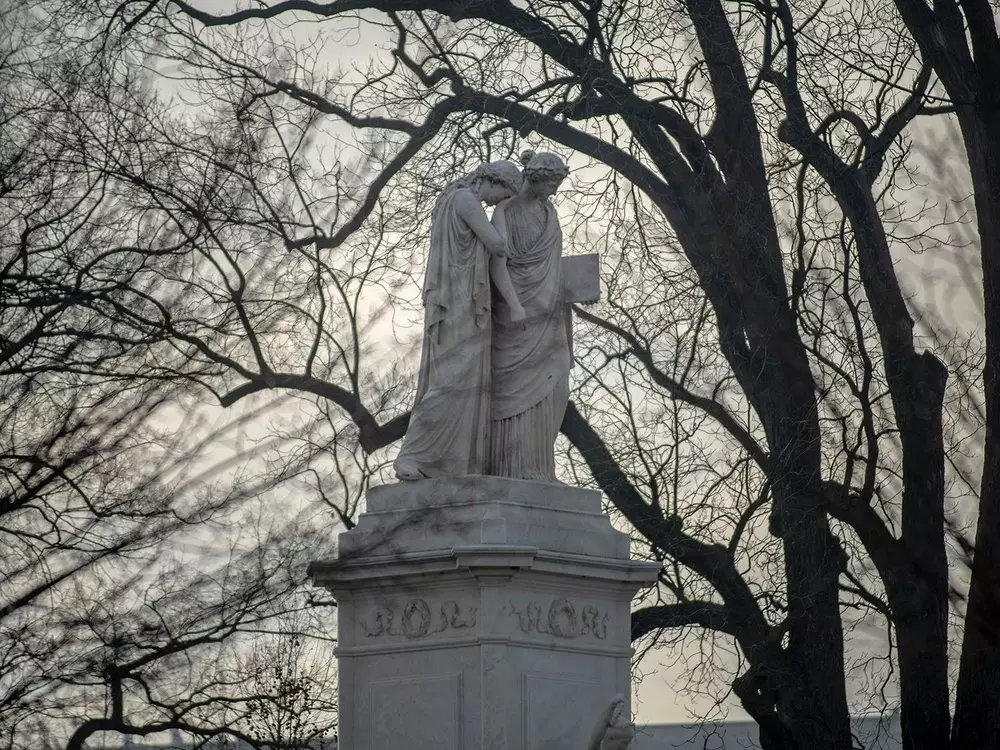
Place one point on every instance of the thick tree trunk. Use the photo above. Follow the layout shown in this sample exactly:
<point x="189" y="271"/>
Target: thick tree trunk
<point x="918" y="591"/>
<point x="959" y="39"/>
<point x="758" y="700"/>
<point x="920" y="605"/>
<point x="816" y="703"/>
<point x="915" y="571"/>
<point x="978" y="695"/>
<point x="921" y="628"/>
<point x="732" y="241"/>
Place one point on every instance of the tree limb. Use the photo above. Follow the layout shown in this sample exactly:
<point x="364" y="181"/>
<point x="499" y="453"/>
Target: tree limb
<point x="681" y="614"/>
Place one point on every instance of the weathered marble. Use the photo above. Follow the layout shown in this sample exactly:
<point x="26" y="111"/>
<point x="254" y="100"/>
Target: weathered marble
<point x="530" y="358"/>
<point x="448" y="430"/>
<point x="581" y="278"/>
<point x="481" y="613"/>
<point x="493" y="382"/>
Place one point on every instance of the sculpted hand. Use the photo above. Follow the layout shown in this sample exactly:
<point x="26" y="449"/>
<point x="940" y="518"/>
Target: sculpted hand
<point x="517" y="312"/>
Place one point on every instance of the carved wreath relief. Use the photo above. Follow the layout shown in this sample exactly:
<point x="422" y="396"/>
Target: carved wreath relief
<point x="561" y="620"/>
<point x="416" y="620"/>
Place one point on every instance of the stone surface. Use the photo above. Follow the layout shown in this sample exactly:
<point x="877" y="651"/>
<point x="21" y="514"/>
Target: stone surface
<point x="447" y="435"/>
<point x="581" y="278"/>
<point x="530" y="360"/>
<point x="438" y="514"/>
<point x="480" y="613"/>
<point x="493" y="383"/>
<point x="612" y="731"/>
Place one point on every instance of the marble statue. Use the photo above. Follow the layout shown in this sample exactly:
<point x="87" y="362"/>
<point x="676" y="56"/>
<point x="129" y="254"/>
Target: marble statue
<point x="448" y="432"/>
<point x="531" y="355"/>
<point x="611" y="732"/>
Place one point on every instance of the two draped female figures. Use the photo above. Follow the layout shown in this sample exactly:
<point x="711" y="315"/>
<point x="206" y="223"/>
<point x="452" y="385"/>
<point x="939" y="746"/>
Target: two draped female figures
<point x="493" y="382"/>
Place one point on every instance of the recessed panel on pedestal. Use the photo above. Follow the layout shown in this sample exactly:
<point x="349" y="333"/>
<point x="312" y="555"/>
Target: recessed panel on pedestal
<point x="552" y="707"/>
<point x="416" y="713"/>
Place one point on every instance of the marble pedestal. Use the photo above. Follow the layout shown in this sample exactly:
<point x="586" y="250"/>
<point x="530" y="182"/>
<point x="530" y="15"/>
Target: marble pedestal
<point x="480" y="613"/>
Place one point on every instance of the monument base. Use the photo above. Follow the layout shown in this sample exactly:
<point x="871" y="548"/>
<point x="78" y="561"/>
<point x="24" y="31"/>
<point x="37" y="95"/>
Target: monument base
<point x="480" y="613"/>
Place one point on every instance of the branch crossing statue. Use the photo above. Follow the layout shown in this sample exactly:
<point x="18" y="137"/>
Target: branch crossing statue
<point x="493" y="383"/>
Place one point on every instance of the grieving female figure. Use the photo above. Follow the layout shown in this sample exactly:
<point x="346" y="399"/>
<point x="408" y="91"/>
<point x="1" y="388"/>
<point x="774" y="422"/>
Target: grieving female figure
<point x="448" y="430"/>
<point x="531" y="357"/>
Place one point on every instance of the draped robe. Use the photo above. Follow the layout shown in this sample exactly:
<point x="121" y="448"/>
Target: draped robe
<point x="530" y="358"/>
<point x="447" y="433"/>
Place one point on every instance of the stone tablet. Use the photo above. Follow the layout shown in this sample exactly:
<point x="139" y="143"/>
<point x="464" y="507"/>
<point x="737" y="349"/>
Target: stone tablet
<point x="581" y="278"/>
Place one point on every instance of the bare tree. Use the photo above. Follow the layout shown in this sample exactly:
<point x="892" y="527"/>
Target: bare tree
<point x="290" y="687"/>
<point x="959" y="41"/>
<point x="754" y="397"/>
<point x="135" y="543"/>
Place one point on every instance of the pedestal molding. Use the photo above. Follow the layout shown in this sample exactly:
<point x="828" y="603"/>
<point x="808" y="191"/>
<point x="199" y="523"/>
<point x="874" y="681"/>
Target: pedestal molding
<point x="505" y="626"/>
<point x="484" y="557"/>
<point x="399" y="648"/>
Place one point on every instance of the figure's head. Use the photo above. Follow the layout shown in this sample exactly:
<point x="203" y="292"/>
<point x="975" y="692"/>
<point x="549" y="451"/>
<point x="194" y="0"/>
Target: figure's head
<point x="543" y="173"/>
<point x="496" y="181"/>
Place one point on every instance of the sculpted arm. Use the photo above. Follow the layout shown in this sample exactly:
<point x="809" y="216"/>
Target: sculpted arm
<point x="499" y="272"/>
<point x="495" y="241"/>
<point x="472" y="213"/>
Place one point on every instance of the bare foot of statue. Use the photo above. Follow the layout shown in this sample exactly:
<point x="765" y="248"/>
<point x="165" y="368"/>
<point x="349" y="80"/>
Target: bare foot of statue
<point x="407" y="471"/>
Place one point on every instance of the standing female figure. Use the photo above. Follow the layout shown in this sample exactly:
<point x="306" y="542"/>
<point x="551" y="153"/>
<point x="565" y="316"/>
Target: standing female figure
<point x="531" y="357"/>
<point x="448" y="429"/>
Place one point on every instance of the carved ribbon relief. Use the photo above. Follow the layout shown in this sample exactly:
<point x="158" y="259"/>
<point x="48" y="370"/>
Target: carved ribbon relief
<point x="416" y="619"/>
<point x="561" y="620"/>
